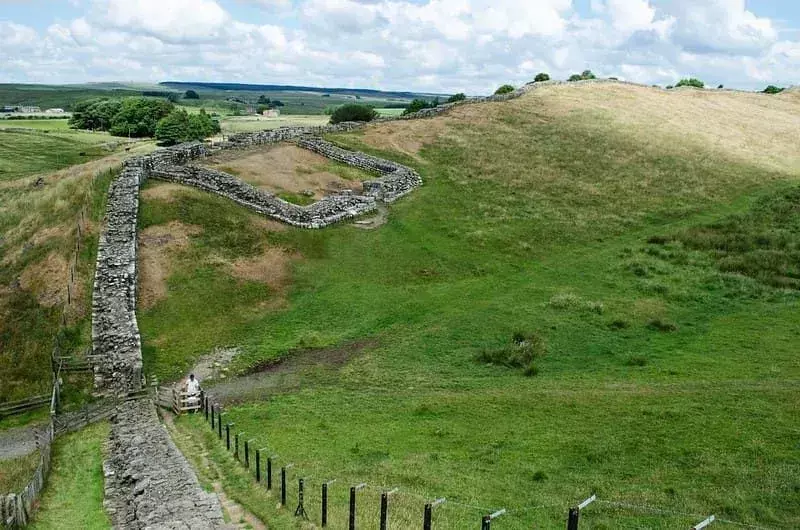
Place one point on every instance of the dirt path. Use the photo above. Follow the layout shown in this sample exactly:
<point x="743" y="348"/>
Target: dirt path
<point x="375" y="221"/>
<point x="287" y="374"/>
<point x="17" y="442"/>
<point x="239" y="516"/>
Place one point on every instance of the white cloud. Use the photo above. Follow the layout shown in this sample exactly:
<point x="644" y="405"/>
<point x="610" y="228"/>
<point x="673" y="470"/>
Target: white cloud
<point x="168" y="20"/>
<point x="438" y="45"/>
<point x="720" y="26"/>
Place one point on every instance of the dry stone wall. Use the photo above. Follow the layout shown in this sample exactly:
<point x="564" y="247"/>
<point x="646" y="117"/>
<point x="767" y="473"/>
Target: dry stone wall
<point x="322" y="213"/>
<point x="396" y="179"/>
<point x="149" y="484"/>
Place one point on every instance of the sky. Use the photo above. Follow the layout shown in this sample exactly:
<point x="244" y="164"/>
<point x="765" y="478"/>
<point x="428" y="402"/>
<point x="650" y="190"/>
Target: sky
<point x="442" y="46"/>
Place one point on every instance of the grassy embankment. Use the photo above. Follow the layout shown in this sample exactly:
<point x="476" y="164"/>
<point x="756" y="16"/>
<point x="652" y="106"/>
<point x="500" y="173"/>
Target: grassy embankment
<point x="649" y="239"/>
<point x="73" y="496"/>
<point x="44" y="183"/>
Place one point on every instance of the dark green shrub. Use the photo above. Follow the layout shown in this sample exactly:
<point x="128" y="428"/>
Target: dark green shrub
<point x="138" y="117"/>
<point x="523" y="351"/>
<point x="191" y="94"/>
<point x="457" y="97"/>
<point x="574" y="77"/>
<point x="772" y="89"/>
<point x="618" y="324"/>
<point x="720" y="87"/>
<point x="636" y="360"/>
<point x="587" y="74"/>
<point x="353" y="112"/>
<point x="541" y="77"/>
<point x="420" y="104"/>
<point x="179" y="126"/>
<point x="692" y="82"/>
<point x="670" y="87"/>
<point x="539" y="476"/>
<point x="505" y="89"/>
<point x="664" y="326"/>
<point x="531" y="370"/>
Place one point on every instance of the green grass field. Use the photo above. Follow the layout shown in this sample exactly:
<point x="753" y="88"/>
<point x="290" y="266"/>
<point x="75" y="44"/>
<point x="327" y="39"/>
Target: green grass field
<point x="659" y="271"/>
<point x="41" y="125"/>
<point x="17" y="472"/>
<point x="390" y="112"/>
<point x="238" y="124"/>
<point x="73" y="496"/>
<point x="25" y="153"/>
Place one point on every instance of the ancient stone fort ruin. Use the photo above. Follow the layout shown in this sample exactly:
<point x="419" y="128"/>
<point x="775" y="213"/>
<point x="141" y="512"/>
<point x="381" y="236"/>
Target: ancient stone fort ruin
<point x="149" y="484"/>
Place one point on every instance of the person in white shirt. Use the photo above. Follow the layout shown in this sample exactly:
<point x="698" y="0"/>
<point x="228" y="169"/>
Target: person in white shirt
<point x="192" y="386"/>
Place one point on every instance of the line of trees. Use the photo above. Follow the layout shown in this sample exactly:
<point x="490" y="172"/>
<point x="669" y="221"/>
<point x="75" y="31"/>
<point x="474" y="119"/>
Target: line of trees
<point x="142" y="118"/>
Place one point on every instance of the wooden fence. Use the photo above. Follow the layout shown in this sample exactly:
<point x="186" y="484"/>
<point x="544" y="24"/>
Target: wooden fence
<point x="16" y="510"/>
<point x="178" y="401"/>
<point x="18" y="407"/>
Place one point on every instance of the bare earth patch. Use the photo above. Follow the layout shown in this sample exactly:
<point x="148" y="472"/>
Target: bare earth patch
<point x="157" y="248"/>
<point x="408" y="137"/>
<point x="162" y="191"/>
<point x="282" y="168"/>
<point x="289" y="373"/>
<point x="272" y="268"/>
<point x="47" y="280"/>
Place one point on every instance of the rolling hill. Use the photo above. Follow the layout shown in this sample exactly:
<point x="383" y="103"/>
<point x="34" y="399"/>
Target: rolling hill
<point x="645" y="241"/>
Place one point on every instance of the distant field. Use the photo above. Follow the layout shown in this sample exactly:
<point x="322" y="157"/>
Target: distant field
<point x="44" y="125"/>
<point x="237" y="124"/>
<point x="390" y="112"/>
<point x="24" y="153"/>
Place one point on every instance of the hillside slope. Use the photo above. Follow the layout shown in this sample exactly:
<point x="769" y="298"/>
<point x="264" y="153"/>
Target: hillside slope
<point x="644" y="242"/>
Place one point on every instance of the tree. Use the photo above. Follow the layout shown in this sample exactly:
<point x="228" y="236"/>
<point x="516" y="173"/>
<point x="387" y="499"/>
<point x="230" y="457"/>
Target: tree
<point x="178" y="126"/>
<point x="263" y="100"/>
<point x="276" y="103"/>
<point x="417" y="105"/>
<point x="353" y="112"/>
<point x="191" y="94"/>
<point x="772" y="89"/>
<point x="583" y="76"/>
<point x="504" y="89"/>
<point x="541" y="77"/>
<point x="138" y="117"/>
<point x="457" y="97"/>
<point x="720" y="87"/>
<point x="173" y="128"/>
<point x="691" y="82"/>
<point x="94" y="114"/>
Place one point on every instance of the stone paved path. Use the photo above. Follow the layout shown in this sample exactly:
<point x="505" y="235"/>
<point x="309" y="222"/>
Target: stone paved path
<point x="17" y="442"/>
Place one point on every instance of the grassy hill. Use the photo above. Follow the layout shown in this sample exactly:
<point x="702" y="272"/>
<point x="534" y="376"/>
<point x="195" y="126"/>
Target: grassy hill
<point x="646" y="241"/>
<point x="645" y="244"/>
<point x="45" y="183"/>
